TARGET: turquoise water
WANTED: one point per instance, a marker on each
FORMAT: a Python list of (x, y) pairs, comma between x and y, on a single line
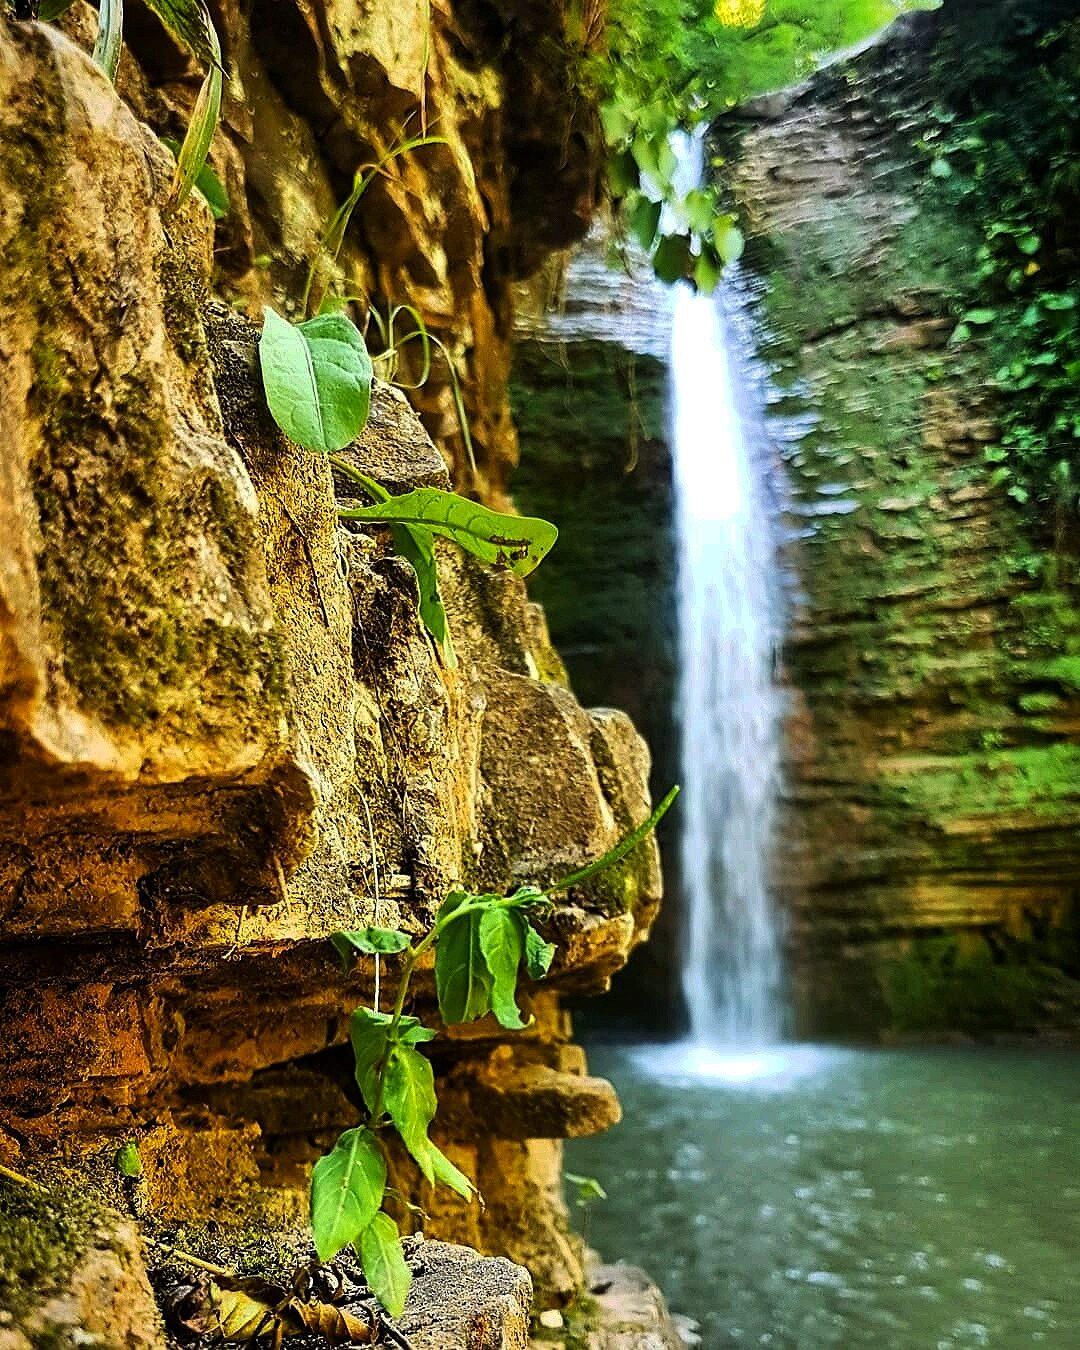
[(909, 1199)]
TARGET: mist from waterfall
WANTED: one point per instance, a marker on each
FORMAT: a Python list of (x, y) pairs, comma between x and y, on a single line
[(729, 703)]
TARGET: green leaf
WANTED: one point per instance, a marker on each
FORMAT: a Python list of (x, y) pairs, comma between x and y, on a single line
[(980, 316), (940, 167), (728, 240), (503, 945), (127, 1160), (666, 163), (369, 1033), (588, 1188), (623, 175), (371, 941), (462, 980), (527, 897), (699, 210), (417, 546), (644, 152), (449, 1175), (1029, 243), (383, 1262), (707, 271), (189, 20), (672, 258), (110, 36), (207, 183), (410, 1099), (517, 542), (643, 219), (626, 845), (617, 125), (333, 236), (317, 377), (347, 1187), (538, 953), (204, 119)]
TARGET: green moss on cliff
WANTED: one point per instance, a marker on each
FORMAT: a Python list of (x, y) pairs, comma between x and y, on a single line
[(43, 1233), (961, 983)]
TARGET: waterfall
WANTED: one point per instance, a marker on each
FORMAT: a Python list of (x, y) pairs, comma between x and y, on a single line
[(729, 703)]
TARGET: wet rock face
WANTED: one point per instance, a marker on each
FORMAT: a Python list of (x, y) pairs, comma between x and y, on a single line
[(929, 848), (320, 88), (225, 734)]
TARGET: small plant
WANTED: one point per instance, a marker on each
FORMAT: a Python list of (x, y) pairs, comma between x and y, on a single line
[(386, 362), (332, 238), (317, 377), (480, 943), (686, 234), (587, 1192), (189, 22)]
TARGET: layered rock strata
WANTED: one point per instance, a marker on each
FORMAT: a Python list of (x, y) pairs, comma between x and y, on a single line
[(225, 734), (929, 851)]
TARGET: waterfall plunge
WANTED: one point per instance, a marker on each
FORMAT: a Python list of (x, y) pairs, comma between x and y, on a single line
[(729, 704), (730, 709)]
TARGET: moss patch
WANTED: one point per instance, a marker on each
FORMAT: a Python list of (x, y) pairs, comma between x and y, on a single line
[(967, 983), (43, 1234)]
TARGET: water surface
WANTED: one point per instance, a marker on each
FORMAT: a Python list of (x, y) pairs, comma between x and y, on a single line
[(908, 1199)]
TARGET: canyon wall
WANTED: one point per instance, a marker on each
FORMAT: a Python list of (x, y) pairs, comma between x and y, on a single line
[(927, 860), (223, 732), (929, 851), (589, 397)]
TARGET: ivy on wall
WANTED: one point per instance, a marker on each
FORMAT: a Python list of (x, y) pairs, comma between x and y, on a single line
[(1003, 149)]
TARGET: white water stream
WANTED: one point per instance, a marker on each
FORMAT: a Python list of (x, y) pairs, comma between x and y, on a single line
[(730, 706)]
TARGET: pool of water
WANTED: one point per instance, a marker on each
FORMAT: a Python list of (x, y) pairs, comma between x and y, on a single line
[(804, 1198)]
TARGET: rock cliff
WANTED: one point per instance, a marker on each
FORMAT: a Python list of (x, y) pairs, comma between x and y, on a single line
[(223, 732), (929, 845)]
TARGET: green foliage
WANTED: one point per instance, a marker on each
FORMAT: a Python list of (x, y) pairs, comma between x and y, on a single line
[(517, 542), (481, 943), (538, 953), (384, 1263), (207, 184), (393, 344), (369, 942), (415, 518), (196, 144), (502, 943), (417, 545), (110, 36), (1002, 150), (347, 1187), (189, 21), (317, 378), (677, 63), (333, 236), (587, 1189), (462, 978)]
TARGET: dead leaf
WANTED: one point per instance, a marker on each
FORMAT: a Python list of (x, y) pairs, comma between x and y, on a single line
[(245, 1309), (338, 1326)]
